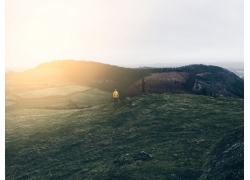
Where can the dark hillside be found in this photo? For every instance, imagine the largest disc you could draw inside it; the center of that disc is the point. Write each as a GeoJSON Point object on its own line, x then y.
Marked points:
{"type": "Point", "coordinates": [211, 80]}
{"type": "Point", "coordinates": [158, 136]}
{"type": "Point", "coordinates": [195, 79]}
{"type": "Point", "coordinates": [102, 76]}
{"type": "Point", "coordinates": [87, 72]}
{"type": "Point", "coordinates": [171, 82]}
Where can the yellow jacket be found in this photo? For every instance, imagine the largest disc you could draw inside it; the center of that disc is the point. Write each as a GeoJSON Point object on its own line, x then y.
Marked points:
{"type": "Point", "coordinates": [115, 95]}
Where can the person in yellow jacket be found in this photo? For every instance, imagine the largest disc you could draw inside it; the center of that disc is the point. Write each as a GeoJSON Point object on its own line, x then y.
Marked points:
{"type": "Point", "coordinates": [115, 96]}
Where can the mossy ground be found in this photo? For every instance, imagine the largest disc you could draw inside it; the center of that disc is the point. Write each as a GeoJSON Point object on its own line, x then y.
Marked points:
{"type": "Point", "coordinates": [147, 137]}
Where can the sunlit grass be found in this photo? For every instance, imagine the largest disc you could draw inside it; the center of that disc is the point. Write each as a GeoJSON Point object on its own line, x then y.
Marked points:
{"type": "Point", "coordinates": [53, 91]}
{"type": "Point", "coordinates": [60, 97]}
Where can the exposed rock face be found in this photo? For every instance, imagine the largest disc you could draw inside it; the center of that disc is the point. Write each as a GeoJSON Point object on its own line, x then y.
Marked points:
{"type": "Point", "coordinates": [226, 161]}
{"type": "Point", "coordinates": [194, 79]}
{"type": "Point", "coordinates": [207, 84]}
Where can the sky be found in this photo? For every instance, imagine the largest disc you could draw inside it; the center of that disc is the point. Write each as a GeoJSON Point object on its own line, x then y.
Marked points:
{"type": "Point", "coordinates": [123, 32]}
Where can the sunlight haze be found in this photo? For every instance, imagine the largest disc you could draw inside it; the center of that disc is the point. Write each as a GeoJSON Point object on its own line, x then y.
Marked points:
{"type": "Point", "coordinates": [122, 89]}
{"type": "Point", "coordinates": [123, 32]}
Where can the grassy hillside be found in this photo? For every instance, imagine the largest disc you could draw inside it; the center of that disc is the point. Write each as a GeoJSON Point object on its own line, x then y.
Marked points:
{"type": "Point", "coordinates": [158, 136]}
{"type": "Point", "coordinates": [59, 97]}
{"type": "Point", "coordinates": [193, 79]}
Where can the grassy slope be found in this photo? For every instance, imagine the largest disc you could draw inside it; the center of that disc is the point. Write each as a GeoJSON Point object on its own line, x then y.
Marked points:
{"type": "Point", "coordinates": [106, 142]}
{"type": "Point", "coordinates": [59, 97]}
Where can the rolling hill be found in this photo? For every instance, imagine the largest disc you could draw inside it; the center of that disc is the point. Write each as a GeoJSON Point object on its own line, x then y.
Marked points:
{"type": "Point", "coordinates": [194, 79]}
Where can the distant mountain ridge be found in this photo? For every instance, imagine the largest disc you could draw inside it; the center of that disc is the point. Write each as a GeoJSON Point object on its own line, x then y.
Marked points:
{"type": "Point", "coordinates": [194, 79]}
{"type": "Point", "coordinates": [161, 65]}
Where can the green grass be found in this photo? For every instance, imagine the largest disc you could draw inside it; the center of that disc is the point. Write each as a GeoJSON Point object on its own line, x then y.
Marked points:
{"type": "Point", "coordinates": [117, 141]}
{"type": "Point", "coordinates": [53, 91]}
{"type": "Point", "coordinates": [60, 97]}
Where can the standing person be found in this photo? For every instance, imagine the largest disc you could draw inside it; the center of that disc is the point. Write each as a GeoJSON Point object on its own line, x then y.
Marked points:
{"type": "Point", "coordinates": [115, 96]}
{"type": "Point", "coordinates": [143, 85]}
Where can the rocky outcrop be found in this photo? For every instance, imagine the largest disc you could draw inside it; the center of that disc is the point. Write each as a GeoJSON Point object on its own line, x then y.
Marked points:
{"type": "Point", "coordinates": [206, 84]}
{"type": "Point", "coordinates": [226, 161]}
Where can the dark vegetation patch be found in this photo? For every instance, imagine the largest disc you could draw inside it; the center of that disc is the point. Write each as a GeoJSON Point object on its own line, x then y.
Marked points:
{"type": "Point", "coordinates": [167, 136]}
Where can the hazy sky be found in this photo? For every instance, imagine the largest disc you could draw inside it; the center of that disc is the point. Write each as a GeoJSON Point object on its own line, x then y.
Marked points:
{"type": "Point", "coordinates": [123, 31]}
